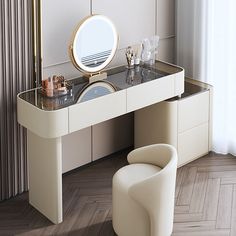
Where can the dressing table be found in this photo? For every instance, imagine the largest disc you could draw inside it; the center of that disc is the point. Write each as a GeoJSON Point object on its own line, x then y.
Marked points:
{"type": "Point", "coordinates": [60, 108]}
{"type": "Point", "coordinates": [48, 119]}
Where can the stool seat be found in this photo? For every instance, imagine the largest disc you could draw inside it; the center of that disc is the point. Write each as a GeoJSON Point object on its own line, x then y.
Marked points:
{"type": "Point", "coordinates": [131, 174]}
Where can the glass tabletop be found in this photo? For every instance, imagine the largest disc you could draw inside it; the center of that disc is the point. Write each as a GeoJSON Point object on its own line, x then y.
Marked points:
{"type": "Point", "coordinates": [118, 78]}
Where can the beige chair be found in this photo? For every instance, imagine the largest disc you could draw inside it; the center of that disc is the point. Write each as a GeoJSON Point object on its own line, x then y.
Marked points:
{"type": "Point", "coordinates": [143, 192]}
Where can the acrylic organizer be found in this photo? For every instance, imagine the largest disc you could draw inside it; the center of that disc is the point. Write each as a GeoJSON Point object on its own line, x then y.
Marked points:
{"type": "Point", "coordinates": [55, 86]}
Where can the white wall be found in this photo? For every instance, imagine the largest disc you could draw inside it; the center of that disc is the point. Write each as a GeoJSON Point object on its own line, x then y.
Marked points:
{"type": "Point", "coordinates": [165, 28]}
{"type": "Point", "coordinates": [134, 19]}
{"type": "Point", "coordinates": [185, 28]}
{"type": "Point", "coordinates": [59, 19]}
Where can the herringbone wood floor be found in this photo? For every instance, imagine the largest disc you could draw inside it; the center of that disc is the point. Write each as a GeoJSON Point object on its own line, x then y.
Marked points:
{"type": "Point", "coordinates": [205, 201]}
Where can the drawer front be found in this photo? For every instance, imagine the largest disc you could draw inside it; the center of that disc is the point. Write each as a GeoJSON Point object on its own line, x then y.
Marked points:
{"type": "Point", "coordinates": [89, 113]}
{"type": "Point", "coordinates": [149, 93]}
{"type": "Point", "coordinates": [193, 111]}
{"type": "Point", "coordinates": [193, 144]}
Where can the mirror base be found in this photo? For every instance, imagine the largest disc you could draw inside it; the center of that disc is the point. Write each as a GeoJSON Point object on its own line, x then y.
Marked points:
{"type": "Point", "coordinates": [96, 77]}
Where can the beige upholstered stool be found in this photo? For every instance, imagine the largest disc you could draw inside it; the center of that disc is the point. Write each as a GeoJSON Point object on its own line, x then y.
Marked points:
{"type": "Point", "coordinates": [143, 192]}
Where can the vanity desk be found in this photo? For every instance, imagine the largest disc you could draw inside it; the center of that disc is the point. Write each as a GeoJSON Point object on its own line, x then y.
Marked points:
{"type": "Point", "coordinates": [49, 119]}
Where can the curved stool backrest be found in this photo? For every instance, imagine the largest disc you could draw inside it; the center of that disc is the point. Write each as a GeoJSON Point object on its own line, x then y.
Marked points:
{"type": "Point", "coordinates": [156, 193]}
{"type": "Point", "coordinates": [156, 154]}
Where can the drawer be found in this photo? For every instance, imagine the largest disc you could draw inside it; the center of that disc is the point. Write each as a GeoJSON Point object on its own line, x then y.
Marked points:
{"type": "Point", "coordinates": [193, 144]}
{"type": "Point", "coordinates": [88, 113]}
{"type": "Point", "coordinates": [193, 111]}
{"type": "Point", "coordinates": [149, 93]}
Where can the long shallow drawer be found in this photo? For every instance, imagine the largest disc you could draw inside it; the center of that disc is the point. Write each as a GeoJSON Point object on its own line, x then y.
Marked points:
{"type": "Point", "coordinates": [193, 111]}
{"type": "Point", "coordinates": [92, 112]}
{"type": "Point", "coordinates": [149, 93]}
{"type": "Point", "coordinates": [193, 144]}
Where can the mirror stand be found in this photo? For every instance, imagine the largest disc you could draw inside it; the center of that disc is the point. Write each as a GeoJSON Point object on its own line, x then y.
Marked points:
{"type": "Point", "coordinates": [96, 77]}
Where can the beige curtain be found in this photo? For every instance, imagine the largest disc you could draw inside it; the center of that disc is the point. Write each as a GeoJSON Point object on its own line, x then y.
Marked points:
{"type": "Point", "coordinates": [16, 75]}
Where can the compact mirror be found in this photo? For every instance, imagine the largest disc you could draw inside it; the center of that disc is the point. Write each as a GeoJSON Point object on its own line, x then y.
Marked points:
{"type": "Point", "coordinates": [93, 44]}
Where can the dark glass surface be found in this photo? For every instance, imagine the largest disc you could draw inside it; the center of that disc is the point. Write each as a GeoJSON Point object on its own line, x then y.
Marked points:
{"type": "Point", "coordinates": [119, 77]}
{"type": "Point", "coordinates": [36, 98]}
{"type": "Point", "coordinates": [189, 90]}
{"type": "Point", "coordinates": [131, 77]}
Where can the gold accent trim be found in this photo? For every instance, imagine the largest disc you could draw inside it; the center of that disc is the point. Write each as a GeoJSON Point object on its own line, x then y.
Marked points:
{"type": "Point", "coordinates": [37, 38]}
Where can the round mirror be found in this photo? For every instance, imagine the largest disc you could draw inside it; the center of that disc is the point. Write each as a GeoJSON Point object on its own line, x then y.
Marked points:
{"type": "Point", "coordinates": [94, 44]}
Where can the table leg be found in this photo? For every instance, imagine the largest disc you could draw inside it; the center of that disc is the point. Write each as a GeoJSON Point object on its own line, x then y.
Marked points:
{"type": "Point", "coordinates": [45, 175]}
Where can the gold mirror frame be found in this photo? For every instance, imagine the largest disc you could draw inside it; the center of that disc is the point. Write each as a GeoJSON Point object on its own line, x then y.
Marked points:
{"type": "Point", "coordinates": [37, 39]}
{"type": "Point", "coordinates": [79, 65]}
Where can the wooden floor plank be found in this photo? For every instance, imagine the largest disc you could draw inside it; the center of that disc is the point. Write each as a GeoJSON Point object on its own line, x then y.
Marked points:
{"type": "Point", "coordinates": [181, 209]}
{"type": "Point", "coordinates": [194, 225]}
{"type": "Point", "coordinates": [217, 161]}
{"type": "Point", "coordinates": [204, 233]}
{"type": "Point", "coordinates": [222, 174]}
{"type": "Point", "coordinates": [213, 168]}
{"type": "Point", "coordinates": [199, 193]}
{"type": "Point", "coordinates": [211, 200]}
{"type": "Point", "coordinates": [188, 217]}
{"type": "Point", "coordinates": [187, 186]}
{"type": "Point", "coordinates": [233, 219]}
{"type": "Point", "coordinates": [179, 179]}
{"type": "Point", "coordinates": [223, 220]}
{"type": "Point", "coordinates": [231, 180]}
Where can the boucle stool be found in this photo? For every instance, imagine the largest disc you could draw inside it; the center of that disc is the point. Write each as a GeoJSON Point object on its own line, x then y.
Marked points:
{"type": "Point", "coordinates": [143, 192]}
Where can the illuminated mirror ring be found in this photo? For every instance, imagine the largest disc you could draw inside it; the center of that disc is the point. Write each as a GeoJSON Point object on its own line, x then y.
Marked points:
{"type": "Point", "coordinates": [93, 44]}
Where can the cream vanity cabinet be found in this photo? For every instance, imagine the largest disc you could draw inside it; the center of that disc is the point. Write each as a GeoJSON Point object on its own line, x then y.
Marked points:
{"type": "Point", "coordinates": [184, 122]}
{"type": "Point", "coordinates": [63, 134]}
